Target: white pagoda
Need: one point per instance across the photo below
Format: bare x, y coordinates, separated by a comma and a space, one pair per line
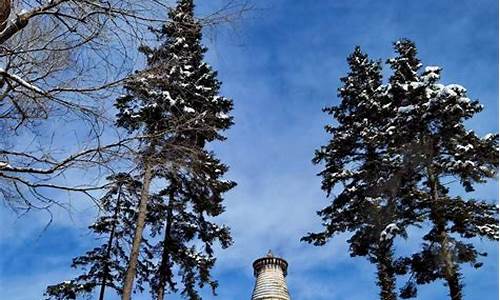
270, 273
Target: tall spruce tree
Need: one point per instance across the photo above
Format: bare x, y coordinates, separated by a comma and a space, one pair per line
175, 105
393, 148
105, 265
432, 138
185, 209
356, 157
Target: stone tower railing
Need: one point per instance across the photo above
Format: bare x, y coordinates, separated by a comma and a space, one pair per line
270, 273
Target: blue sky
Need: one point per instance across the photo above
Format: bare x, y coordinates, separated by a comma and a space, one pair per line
282, 64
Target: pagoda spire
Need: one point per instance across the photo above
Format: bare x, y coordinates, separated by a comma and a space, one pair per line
270, 272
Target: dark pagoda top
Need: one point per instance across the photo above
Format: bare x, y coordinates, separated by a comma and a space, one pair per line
269, 261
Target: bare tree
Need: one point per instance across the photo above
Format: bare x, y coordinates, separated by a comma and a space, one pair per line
61, 61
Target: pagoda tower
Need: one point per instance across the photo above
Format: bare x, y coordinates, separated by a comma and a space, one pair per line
270, 273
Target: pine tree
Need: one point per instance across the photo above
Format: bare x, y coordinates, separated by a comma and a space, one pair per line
175, 105
356, 157
185, 208
105, 264
433, 139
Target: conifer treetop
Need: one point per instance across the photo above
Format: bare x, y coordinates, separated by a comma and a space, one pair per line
178, 89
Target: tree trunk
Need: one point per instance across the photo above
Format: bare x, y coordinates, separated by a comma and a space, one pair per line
385, 273
9, 28
110, 244
164, 265
4, 13
450, 272
136, 245
453, 279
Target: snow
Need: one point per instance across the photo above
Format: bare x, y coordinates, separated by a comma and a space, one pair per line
188, 109
221, 115
447, 92
342, 174
464, 100
406, 109
433, 69
4, 165
486, 169
416, 84
186, 73
390, 129
489, 229
199, 258
438, 86
373, 200
464, 148
488, 136
179, 40
431, 74
456, 87
431, 77
203, 88
352, 189
388, 232
22, 82
169, 97
460, 164
204, 76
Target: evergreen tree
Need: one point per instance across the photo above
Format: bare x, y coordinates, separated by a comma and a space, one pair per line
105, 265
432, 137
175, 105
393, 147
356, 157
184, 210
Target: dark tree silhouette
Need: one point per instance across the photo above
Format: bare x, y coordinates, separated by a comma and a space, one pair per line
175, 102
105, 265
356, 157
431, 135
